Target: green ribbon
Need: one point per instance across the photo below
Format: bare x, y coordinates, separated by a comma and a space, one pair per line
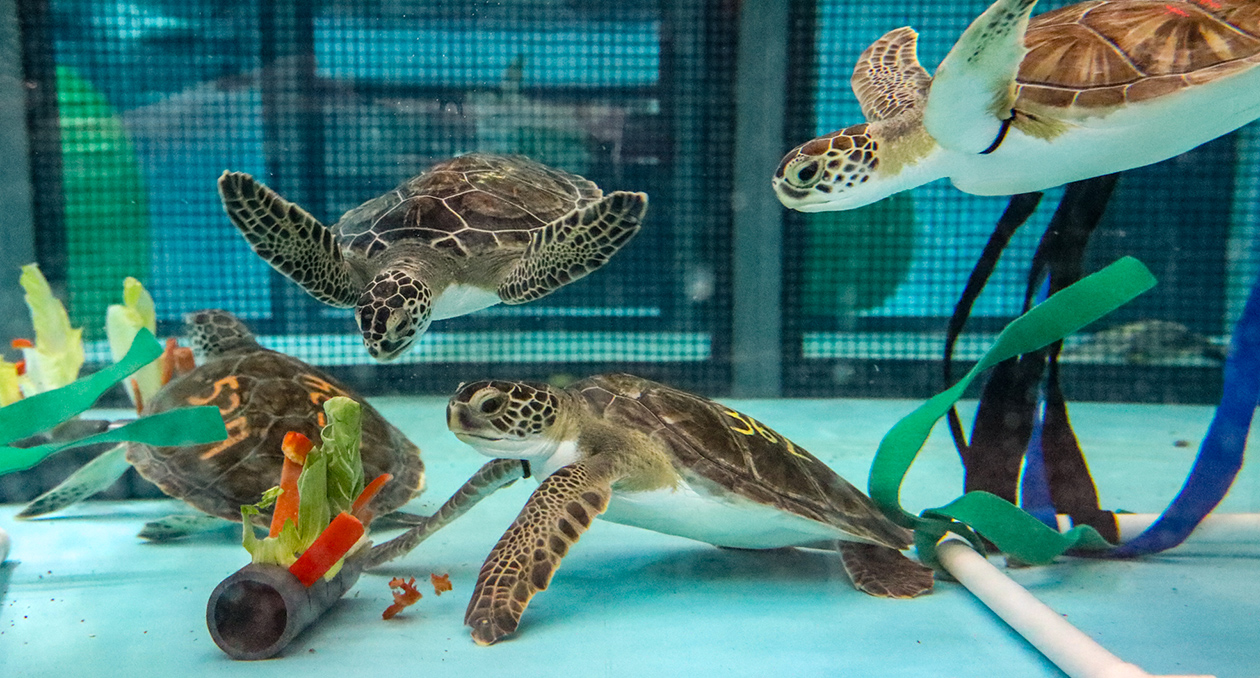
1006, 525
43, 411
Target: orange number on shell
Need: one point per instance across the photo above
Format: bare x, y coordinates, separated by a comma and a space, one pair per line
238, 430
234, 398
322, 389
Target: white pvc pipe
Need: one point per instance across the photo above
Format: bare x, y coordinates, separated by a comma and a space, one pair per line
4, 544
1075, 653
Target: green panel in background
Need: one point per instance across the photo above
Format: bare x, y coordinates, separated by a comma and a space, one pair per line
855, 260
106, 207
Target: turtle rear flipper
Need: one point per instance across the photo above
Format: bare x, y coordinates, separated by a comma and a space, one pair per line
573, 246
290, 239
883, 571
95, 476
180, 525
973, 89
522, 563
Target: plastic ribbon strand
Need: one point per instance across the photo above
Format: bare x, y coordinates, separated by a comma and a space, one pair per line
185, 426
1221, 454
1065, 312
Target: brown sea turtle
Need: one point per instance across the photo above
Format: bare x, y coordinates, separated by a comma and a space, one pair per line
466, 234
1019, 106
644, 454
262, 395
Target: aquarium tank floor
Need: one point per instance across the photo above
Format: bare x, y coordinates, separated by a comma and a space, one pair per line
82, 596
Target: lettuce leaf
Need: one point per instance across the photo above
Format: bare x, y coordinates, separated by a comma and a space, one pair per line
122, 322
341, 438
58, 353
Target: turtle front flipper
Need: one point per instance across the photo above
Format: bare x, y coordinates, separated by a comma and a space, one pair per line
490, 478
883, 571
888, 79
573, 246
289, 238
95, 476
522, 563
969, 107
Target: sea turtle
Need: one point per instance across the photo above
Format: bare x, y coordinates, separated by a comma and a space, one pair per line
1019, 106
644, 454
262, 395
467, 233
1145, 342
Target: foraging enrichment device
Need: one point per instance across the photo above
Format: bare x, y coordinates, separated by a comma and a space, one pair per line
314, 550
651, 456
468, 233
261, 395
1019, 106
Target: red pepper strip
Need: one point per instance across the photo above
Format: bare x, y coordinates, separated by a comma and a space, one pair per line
20, 367
359, 508
330, 546
296, 446
22, 343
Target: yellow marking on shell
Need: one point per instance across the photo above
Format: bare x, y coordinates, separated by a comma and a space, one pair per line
754, 427
234, 399
321, 419
238, 430
322, 389
740, 418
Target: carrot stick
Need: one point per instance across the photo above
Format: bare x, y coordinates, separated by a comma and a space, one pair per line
168, 360
20, 367
330, 546
21, 343
135, 388
295, 447
365, 497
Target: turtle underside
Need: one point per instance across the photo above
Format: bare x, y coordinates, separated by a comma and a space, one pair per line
263, 395
467, 206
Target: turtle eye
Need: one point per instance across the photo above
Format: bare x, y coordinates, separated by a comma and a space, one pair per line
807, 173
492, 404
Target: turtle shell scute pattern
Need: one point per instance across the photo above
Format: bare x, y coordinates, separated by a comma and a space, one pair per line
1108, 53
263, 395
468, 206
731, 450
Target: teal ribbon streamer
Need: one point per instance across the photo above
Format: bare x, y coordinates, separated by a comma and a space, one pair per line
43, 411
1011, 529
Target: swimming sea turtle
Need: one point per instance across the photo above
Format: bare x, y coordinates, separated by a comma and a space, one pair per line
468, 233
262, 395
648, 455
1145, 342
1020, 106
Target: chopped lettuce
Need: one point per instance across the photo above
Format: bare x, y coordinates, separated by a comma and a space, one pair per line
331, 479
122, 322
10, 391
57, 355
341, 446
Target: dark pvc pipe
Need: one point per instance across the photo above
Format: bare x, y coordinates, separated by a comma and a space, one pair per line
257, 611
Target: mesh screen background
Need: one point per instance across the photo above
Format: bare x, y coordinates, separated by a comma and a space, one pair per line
870, 291
333, 103
138, 108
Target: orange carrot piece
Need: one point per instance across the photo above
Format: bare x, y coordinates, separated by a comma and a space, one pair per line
22, 343
406, 595
441, 582
289, 500
135, 389
365, 497
184, 361
20, 367
168, 360
330, 546
296, 446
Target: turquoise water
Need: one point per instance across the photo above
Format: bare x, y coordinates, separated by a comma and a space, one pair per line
83, 594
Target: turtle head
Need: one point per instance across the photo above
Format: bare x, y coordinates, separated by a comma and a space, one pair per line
393, 311
214, 332
850, 168
507, 419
